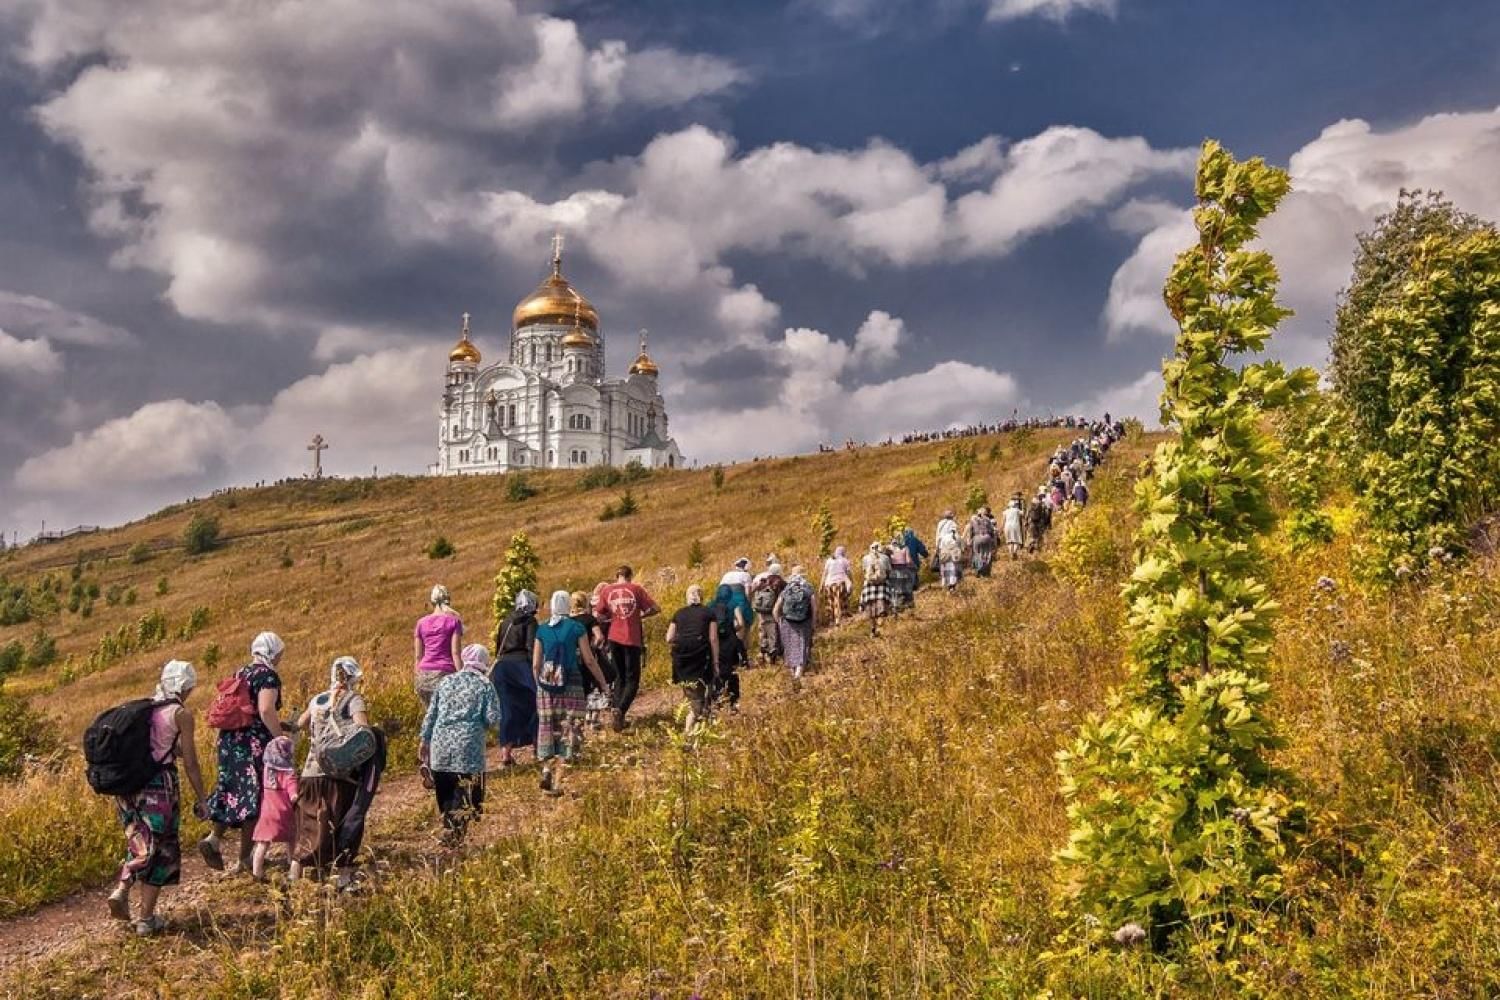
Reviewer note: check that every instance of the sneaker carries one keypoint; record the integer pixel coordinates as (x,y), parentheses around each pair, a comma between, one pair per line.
(150,927)
(119,902)
(212,856)
(617,721)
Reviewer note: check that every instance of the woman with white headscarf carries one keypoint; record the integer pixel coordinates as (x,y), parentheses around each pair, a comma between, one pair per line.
(436,642)
(513,678)
(235,802)
(324,799)
(464,708)
(152,816)
(559,653)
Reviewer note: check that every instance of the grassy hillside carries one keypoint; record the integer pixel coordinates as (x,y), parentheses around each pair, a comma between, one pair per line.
(341,567)
(888,831)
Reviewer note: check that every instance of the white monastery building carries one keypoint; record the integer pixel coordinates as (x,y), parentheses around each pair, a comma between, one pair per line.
(549,404)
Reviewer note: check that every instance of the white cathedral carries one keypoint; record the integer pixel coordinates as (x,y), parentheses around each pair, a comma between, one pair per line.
(549,404)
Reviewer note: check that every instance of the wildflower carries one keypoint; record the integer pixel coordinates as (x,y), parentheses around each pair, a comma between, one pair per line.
(1129,935)
(1339,651)
(1240,815)
(1326,584)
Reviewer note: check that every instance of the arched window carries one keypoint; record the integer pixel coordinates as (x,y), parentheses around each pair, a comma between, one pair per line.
(551,421)
(583,457)
(549,457)
(512,420)
(455,431)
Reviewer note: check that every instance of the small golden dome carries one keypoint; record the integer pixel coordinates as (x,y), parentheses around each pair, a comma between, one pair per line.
(578,337)
(464,350)
(643,364)
(555,300)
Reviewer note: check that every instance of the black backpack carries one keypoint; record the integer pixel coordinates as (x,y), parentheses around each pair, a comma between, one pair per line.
(117,749)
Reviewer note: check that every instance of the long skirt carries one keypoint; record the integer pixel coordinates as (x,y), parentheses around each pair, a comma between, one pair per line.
(796,641)
(322,803)
(902,587)
(983,555)
(836,599)
(875,598)
(235,800)
(559,730)
(516,687)
(770,638)
(951,571)
(153,844)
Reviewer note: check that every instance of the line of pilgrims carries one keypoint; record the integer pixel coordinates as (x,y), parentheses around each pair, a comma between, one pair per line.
(555,673)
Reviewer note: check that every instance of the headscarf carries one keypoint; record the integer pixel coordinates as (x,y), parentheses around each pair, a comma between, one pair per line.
(797,574)
(578,603)
(280,758)
(743,562)
(476,658)
(267,648)
(346,668)
(525,603)
(775,569)
(840,553)
(177,679)
(695,594)
(440,598)
(561,602)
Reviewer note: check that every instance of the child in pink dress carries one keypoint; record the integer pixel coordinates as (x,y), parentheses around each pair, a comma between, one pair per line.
(278,819)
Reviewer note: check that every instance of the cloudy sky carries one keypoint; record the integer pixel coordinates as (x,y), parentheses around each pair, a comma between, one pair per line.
(228,224)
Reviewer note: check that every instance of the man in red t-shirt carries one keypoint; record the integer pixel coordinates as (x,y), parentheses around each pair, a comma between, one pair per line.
(626,604)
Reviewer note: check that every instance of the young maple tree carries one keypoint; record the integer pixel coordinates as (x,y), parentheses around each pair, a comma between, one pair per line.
(1178,820)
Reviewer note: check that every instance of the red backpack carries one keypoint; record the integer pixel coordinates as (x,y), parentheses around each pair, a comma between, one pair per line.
(233,708)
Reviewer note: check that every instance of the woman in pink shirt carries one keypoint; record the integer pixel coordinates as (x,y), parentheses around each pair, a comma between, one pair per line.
(437,643)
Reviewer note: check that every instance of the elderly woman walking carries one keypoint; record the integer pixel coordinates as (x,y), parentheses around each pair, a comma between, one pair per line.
(464,708)
(513,678)
(152,816)
(838,583)
(796,615)
(693,638)
(730,617)
(235,802)
(980,535)
(561,652)
(436,642)
(875,595)
(323,799)
(950,552)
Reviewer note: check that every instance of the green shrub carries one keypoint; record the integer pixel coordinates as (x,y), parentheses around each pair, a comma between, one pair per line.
(211,654)
(824,528)
(201,535)
(695,556)
(517,572)
(600,477)
(1179,822)
(959,457)
(519,487)
(286,557)
(162,586)
(624,507)
(130,597)
(976,498)
(43,651)
(12,657)
(718,477)
(138,553)
(440,548)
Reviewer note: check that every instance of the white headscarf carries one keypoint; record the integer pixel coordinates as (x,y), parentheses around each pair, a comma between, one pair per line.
(267,648)
(344,668)
(561,604)
(177,679)
(695,594)
(440,598)
(476,658)
(775,569)
(525,601)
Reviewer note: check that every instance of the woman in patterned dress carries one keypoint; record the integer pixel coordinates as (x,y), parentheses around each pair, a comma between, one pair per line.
(875,595)
(235,802)
(560,647)
(463,709)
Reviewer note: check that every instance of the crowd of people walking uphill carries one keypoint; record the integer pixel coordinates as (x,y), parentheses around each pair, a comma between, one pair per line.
(546,677)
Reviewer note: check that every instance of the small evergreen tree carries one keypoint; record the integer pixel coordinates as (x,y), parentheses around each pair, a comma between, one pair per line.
(977,497)
(1177,818)
(718,477)
(824,528)
(519,487)
(440,548)
(517,573)
(695,556)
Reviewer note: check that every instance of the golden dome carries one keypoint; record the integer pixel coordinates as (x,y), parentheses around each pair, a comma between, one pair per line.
(643,364)
(555,300)
(578,337)
(464,350)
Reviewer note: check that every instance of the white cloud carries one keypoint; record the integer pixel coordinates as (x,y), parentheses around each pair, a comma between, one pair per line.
(1139,398)
(170,440)
(28,358)
(878,339)
(1341,181)
(1053,10)
(39,317)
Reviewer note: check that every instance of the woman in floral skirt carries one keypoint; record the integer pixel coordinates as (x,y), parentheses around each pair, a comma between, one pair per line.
(235,802)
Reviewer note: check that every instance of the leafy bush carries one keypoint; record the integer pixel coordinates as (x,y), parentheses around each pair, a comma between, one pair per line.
(114,595)
(286,561)
(519,487)
(12,657)
(517,573)
(15,604)
(718,477)
(976,498)
(210,657)
(24,733)
(162,586)
(138,553)
(1306,472)
(959,457)
(197,621)
(695,556)
(606,476)
(201,535)
(1178,820)
(440,548)
(43,651)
